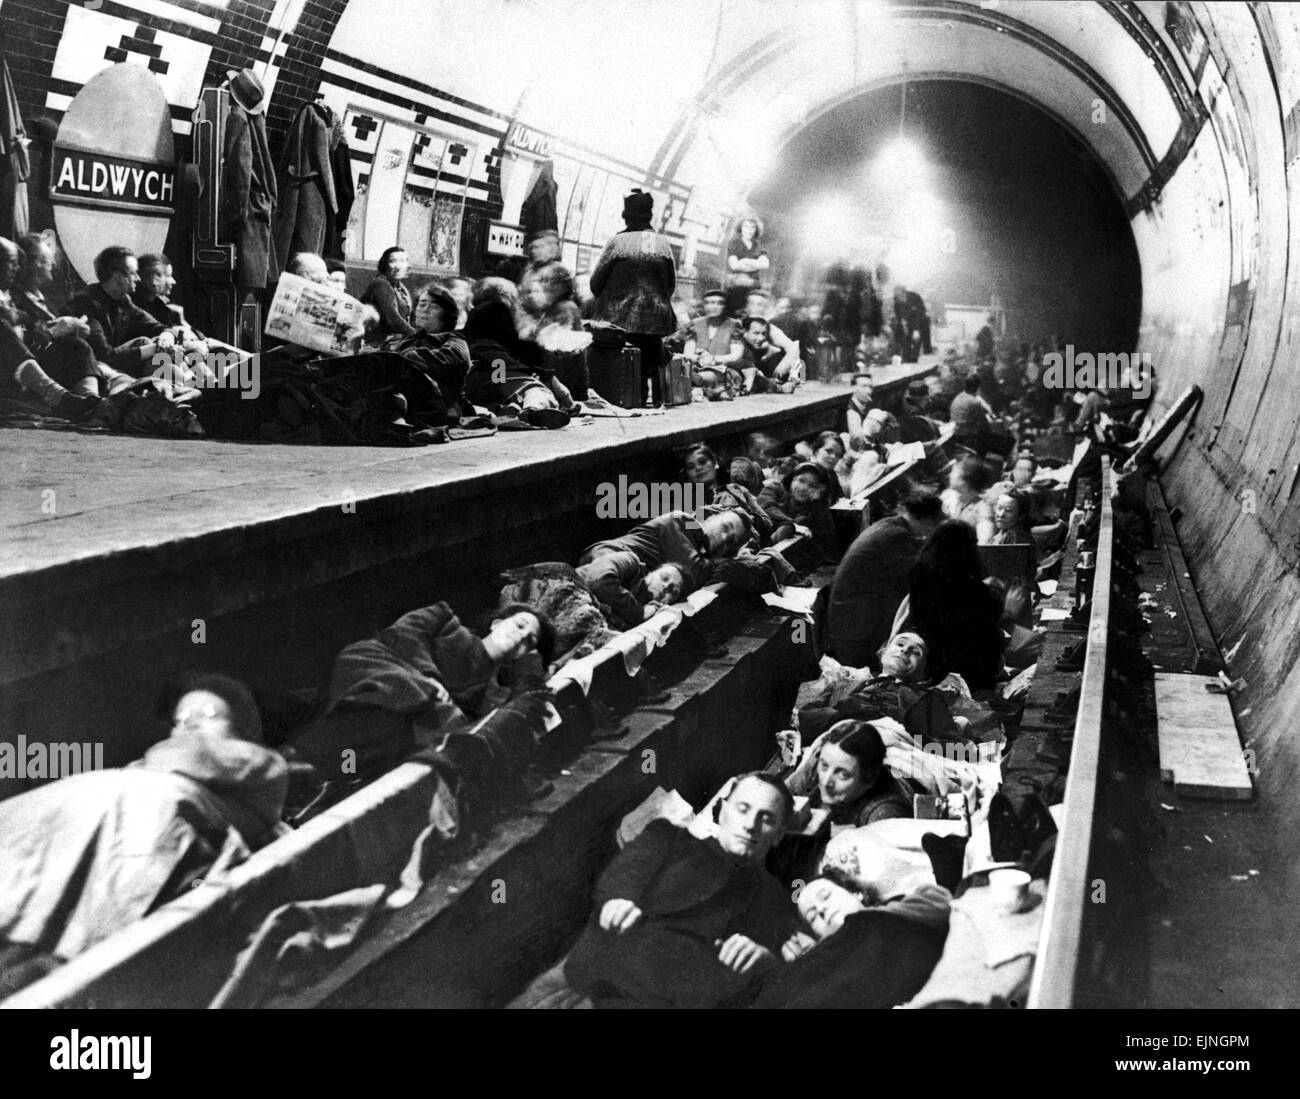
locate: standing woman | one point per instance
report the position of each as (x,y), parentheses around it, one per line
(634,282)
(746,261)
(389,295)
(964,499)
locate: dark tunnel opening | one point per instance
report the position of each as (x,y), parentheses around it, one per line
(988,199)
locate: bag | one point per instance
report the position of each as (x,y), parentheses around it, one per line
(154,407)
(606,334)
(675,376)
(615,373)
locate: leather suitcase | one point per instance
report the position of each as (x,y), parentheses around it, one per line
(676,379)
(615,373)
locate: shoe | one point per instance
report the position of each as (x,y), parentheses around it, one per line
(1072,659)
(1036,820)
(1006,834)
(946,854)
(471,755)
(76,407)
(551,418)
(1065,708)
(511,423)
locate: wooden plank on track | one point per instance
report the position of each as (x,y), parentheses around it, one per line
(1200,752)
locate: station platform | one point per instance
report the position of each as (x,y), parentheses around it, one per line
(124,560)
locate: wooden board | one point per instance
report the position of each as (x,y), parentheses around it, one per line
(1200,752)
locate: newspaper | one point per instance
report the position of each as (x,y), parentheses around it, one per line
(315,315)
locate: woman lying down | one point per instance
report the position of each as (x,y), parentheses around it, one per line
(870,945)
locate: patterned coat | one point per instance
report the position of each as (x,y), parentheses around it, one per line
(634,282)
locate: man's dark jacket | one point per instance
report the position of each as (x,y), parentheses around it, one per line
(692,896)
(868,587)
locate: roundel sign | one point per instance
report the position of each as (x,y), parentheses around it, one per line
(113,171)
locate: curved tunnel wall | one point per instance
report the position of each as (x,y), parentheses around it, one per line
(1191,106)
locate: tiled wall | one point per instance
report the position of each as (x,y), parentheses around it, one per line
(54,46)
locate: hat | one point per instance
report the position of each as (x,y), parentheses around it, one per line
(638,206)
(246,89)
(918,390)
(817,471)
(540,234)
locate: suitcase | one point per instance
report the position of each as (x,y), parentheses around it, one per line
(676,381)
(615,373)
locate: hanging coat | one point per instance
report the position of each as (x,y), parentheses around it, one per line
(345,190)
(179,249)
(14,167)
(250,199)
(538,210)
(307,177)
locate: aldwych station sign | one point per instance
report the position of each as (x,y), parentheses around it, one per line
(96,179)
(113,174)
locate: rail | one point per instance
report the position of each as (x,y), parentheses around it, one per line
(1055,974)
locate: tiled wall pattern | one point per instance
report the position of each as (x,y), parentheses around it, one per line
(54,46)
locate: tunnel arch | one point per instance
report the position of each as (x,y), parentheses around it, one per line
(1065,262)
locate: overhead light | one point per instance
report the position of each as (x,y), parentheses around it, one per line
(830,225)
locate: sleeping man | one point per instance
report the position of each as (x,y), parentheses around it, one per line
(681,921)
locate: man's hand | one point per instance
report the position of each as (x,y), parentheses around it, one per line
(797,945)
(165,341)
(649,611)
(619,916)
(742,955)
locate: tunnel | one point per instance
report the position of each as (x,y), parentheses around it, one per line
(1121,175)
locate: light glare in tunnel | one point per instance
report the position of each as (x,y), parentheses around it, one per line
(828,222)
(900,164)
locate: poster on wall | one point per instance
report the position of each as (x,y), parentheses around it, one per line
(387,188)
(444,232)
(411,194)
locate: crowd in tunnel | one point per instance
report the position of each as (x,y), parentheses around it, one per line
(822,292)
(919,645)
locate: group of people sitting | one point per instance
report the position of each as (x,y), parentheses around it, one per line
(66,362)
